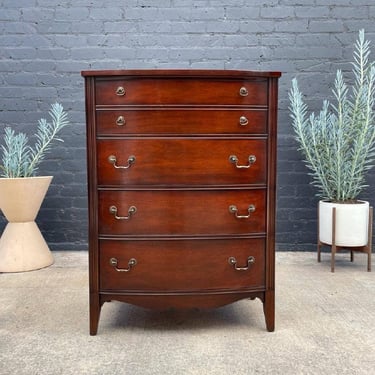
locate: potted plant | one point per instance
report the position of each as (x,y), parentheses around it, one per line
(22,246)
(338,146)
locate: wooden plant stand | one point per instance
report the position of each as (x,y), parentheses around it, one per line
(335,248)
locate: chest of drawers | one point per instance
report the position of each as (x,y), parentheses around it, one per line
(181,184)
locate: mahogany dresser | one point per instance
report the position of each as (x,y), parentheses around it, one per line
(181,184)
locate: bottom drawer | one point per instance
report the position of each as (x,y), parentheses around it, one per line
(181,265)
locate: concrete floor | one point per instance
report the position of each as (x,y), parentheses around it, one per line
(325,324)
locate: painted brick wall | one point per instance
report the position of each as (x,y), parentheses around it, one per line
(45,44)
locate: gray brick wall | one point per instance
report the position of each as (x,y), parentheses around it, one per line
(45,44)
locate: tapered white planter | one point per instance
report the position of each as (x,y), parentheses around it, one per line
(352,222)
(22,246)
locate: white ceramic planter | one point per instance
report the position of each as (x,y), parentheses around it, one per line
(22,246)
(351,223)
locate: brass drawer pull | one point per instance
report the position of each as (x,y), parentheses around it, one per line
(234,210)
(243,91)
(112,159)
(114,262)
(131,211)
(120,91)
(251,160)
(233,261)
(243,121)
(120,121)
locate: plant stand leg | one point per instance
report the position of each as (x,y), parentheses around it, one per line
(318,240)
(333,252)
(369,243)
(333,248)
(318,252)
(369,261)
(367,249)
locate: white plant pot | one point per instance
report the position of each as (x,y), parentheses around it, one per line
(22,246)
(351,223)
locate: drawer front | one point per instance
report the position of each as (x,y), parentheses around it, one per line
(182,265)
(156,91)
(181,121)
(170,161)
(182,212)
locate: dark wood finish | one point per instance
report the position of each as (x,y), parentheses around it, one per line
(192,121)
(204,263)
(164,91)
(175,250)
(180,73)
(171,161)
(180,300)
(182,212)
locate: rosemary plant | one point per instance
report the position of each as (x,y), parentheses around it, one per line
(338,144)
(19,159)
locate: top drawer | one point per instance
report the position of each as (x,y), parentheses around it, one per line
(156,91)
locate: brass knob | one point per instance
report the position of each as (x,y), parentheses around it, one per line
(120,91)
(252,159)
(243,91)
(243,121)
(120,121)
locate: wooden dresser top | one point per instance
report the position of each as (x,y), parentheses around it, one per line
(180,72)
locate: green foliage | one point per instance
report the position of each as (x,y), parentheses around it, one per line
(21,160)
(338,144)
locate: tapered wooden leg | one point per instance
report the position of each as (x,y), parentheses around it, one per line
(95,308)
(333,247)
(269,310)
(369,261)
(318,240)
(369,244)
(333,252)
(318,251)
